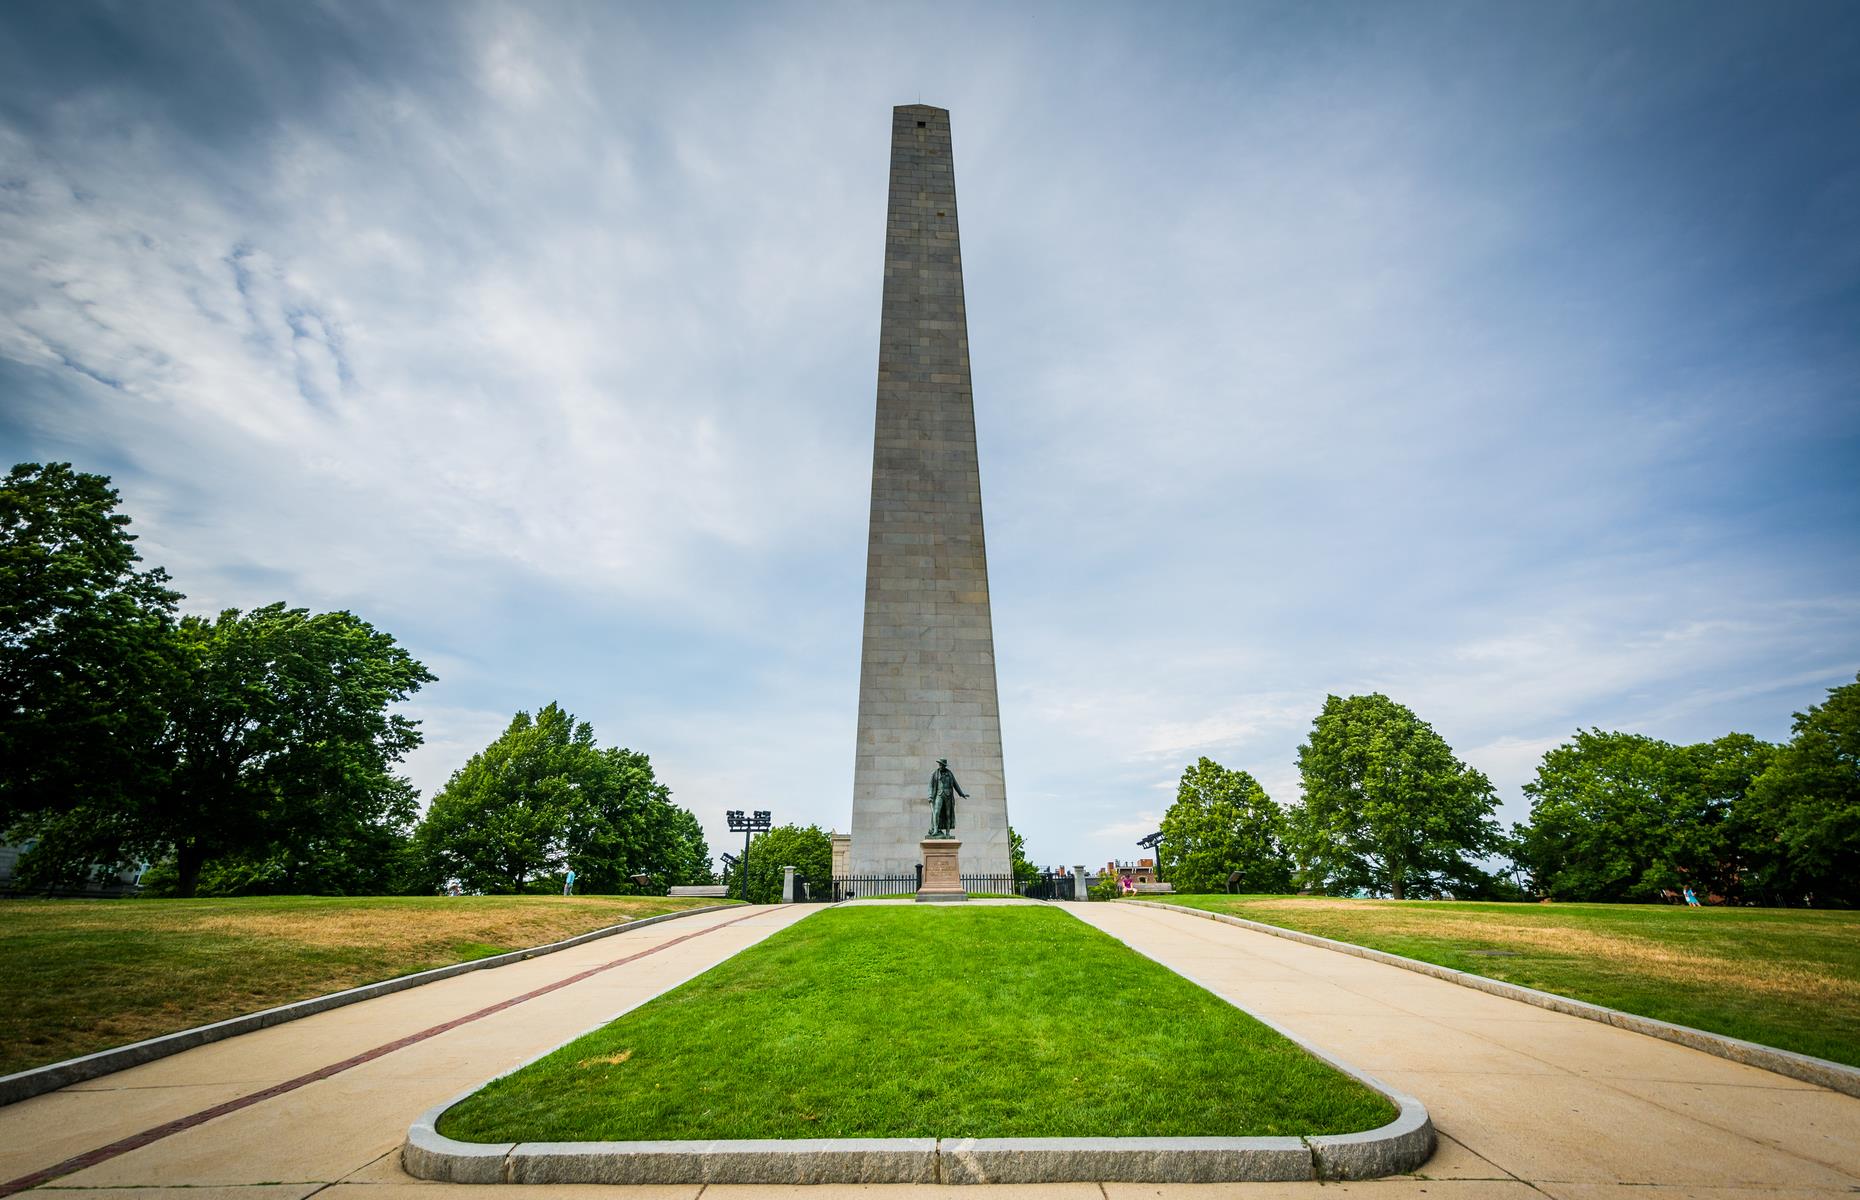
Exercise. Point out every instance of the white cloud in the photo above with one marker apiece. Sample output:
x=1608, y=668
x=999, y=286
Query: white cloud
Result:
x=547, y=341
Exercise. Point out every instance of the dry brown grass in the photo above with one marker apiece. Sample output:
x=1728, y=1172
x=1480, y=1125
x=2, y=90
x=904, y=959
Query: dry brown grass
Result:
x=1808, y=982
x=496, y=921
x=86, y=975
x=1784, y=977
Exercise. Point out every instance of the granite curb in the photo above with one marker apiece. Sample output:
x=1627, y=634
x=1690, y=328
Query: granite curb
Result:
x=1835, y=1076
x=37, y=1080
x=1401, y=1145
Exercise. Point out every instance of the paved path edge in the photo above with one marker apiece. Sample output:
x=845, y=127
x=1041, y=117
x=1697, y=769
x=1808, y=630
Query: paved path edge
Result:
x=1824, y=1072
x=49, y=1078
x=1401, y=1145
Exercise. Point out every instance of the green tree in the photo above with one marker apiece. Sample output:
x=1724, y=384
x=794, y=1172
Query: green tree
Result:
x=86, y=664
x=1803, y=818
x=499, y=824
x=282, y=744
x=1605, y=809
x=543, y=799
x=630, y=828
x=1018, y=862
x=684, y=858
x=262, y=742
x=361, y=858
x=1625, y=817
x=807, y=849
x=1223, y=821
x=1720, y=851
x=1387, y=807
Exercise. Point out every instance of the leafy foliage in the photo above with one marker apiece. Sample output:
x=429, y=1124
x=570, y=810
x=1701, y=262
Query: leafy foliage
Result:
x=809, y=850
x=544, y=799
x=86, y=661
x=262, y=741
x=1223, y=822
x=1620, y=816
x=1018, y=862
x=282, y=746
x=1804, y=809
x=1387, y=807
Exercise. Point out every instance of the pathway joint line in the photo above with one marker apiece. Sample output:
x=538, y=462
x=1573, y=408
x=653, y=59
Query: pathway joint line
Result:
x=36, y=1081
x=1823, y=1072
x=136, y=1141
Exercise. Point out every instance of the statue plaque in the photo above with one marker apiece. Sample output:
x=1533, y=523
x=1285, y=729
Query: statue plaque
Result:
x=942, y=872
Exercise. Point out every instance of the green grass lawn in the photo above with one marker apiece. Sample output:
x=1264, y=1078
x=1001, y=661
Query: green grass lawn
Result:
x=85, y=975
x=902, y=1022
x=1783, y=977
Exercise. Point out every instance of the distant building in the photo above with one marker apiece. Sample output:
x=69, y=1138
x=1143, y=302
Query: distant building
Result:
x=1141, y=871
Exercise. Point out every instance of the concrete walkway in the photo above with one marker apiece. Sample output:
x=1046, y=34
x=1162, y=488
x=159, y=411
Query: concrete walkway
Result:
x=1529, y=1103
x=357, y=1076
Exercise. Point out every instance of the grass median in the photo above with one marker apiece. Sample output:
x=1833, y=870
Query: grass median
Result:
x=1783, y=977
x=85, y=975
x=865, y=1022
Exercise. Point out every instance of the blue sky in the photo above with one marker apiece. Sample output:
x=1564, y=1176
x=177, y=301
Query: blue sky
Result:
x=1502, y=358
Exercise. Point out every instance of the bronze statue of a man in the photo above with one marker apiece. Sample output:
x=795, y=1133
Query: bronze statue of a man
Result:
x=943, y=792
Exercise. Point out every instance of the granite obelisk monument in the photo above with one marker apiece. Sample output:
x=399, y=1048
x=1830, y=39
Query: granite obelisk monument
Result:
x=927, y=671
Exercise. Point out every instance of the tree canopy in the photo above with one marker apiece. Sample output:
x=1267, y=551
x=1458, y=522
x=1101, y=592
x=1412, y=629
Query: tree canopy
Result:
x=808, y=849
x=1804, y=809
x=1621, y=816
x=1223, y=822
x=258, y=738
x=1023, y=868
x=1387, y=807
x=543, y=799
x=87, y=662
x=282, y=741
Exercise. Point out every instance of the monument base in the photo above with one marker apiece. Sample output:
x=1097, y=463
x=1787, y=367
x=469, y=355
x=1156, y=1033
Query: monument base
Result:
x=942, y=874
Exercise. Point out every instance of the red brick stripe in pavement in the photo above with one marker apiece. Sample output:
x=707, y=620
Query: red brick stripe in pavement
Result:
x=136, y=1141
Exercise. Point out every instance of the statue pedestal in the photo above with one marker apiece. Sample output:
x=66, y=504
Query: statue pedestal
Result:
x=942, y=875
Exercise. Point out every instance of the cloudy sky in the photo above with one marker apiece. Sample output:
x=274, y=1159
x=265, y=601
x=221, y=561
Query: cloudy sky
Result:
x=1503, y=358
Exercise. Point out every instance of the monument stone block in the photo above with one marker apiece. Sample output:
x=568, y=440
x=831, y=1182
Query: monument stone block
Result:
x=927, y=669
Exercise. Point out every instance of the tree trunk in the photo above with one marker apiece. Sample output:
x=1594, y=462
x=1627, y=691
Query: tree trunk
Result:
x=188, y=859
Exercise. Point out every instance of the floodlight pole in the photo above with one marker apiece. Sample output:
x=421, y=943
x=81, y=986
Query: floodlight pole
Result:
x=757, y=822
x=1154, y=842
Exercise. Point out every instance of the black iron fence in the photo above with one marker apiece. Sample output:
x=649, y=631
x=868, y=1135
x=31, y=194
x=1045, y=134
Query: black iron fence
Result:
x=1056, y=886
x=813, y=889
x=871, y=887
